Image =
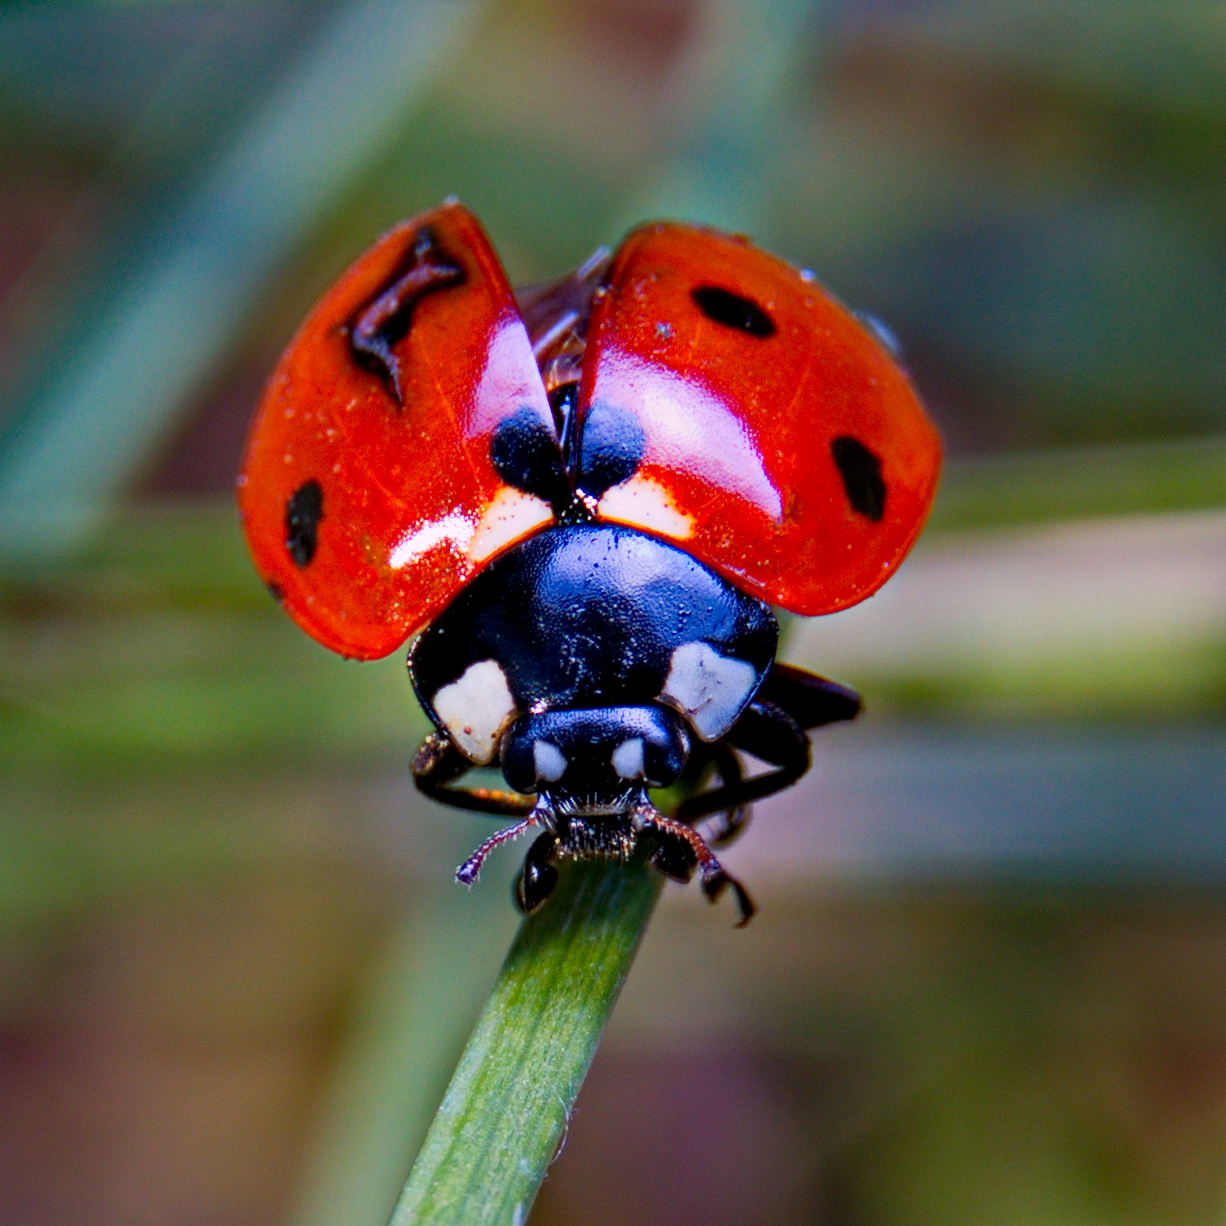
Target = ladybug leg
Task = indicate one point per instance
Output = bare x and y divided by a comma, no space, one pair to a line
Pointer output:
733,821
438,764
812,701
538,875
674,857
681,845
470,870
769,733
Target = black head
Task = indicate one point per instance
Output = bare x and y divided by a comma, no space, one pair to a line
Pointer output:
591,759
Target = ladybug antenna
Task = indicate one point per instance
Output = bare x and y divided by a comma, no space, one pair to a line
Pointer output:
470,870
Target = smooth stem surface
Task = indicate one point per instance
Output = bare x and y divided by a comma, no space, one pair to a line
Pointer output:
510,1098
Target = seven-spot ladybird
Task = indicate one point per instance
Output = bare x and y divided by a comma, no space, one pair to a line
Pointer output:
584,502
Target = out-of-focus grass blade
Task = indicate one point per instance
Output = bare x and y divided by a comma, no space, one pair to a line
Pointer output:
1082,483
731,91
1164,56
115,389
413,1014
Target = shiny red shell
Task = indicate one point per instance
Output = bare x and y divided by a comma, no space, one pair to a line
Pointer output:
782,445
743,422
411,502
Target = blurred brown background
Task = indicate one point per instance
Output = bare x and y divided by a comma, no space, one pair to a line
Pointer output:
988,981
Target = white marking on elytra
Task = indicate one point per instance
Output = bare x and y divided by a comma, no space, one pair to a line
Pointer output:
549,760
644,503
711,689
628,758
454,529
511,514
476,709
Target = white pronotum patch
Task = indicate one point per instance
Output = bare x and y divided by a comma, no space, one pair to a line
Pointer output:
549,760
628,758
476,708
511,514
711,689
644,503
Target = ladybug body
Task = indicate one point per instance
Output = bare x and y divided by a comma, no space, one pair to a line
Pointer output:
619,650
584,503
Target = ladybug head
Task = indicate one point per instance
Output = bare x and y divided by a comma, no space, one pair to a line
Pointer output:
596,760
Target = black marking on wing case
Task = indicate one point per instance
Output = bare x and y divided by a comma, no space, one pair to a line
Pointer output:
379,326
733,310
303,512
861,473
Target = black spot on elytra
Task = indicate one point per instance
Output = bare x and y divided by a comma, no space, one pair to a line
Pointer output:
383,322
861,473
525,453
303,512
611,445
733,310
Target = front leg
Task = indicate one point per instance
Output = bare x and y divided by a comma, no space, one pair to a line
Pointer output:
770,734
733,821
438,764
812,701
773,729
538,876
680,849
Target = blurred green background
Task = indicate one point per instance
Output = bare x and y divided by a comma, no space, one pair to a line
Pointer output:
988,980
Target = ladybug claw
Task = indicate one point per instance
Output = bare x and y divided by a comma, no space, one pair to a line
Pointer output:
717,881
745,903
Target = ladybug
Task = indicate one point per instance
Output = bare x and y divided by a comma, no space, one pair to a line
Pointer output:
582,504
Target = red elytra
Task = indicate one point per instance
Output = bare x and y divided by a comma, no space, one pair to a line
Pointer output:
783,447
741,422
406,479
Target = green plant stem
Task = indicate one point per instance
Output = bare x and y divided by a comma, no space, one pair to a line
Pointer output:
509,1101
